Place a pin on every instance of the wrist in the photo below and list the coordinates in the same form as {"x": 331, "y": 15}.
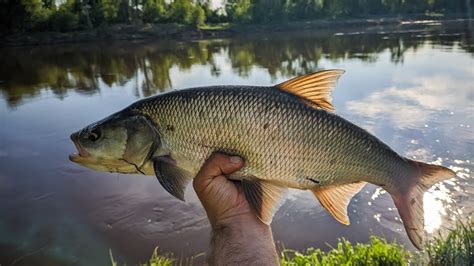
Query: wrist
{"x": 242, "y": 239}
{"x": 240, "y": 220}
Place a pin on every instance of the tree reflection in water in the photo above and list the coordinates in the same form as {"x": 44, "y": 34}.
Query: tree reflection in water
{"x": 25, "y": 72}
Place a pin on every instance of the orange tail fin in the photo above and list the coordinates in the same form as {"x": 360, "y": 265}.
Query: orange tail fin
{"x": 409, "y": 202}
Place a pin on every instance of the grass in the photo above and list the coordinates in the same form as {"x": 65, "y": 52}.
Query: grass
{"x": 158, "y": 260}
{"x": 377, "y": 252}
{"x": 161, "y": 260}
{"x": 155, "y": 260}
{"x": 455, "y": 248}
{"x": 219, "y": 26}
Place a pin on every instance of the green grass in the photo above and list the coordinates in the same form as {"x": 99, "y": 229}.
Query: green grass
{"x": 155, "y": 260}
{"x": 158, "y": 260}
{"x": 220, "y": 26}
{"x": 377, "y": 252}
{"x": 161, "y": 260}
{"x": 456, "y": 248}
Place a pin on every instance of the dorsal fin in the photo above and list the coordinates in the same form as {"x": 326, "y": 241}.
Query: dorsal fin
{"x": 315, "y": 87}
{"x": 336, "y": 198}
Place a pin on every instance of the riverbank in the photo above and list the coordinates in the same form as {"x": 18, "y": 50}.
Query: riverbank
{"x": 453, "y": 248}
{"x": 121, "y": 32}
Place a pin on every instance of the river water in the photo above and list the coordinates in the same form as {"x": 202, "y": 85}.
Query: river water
{"x": 411, "y": 85}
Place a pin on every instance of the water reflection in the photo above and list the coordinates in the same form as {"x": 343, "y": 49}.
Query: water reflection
{"x": 84, "y": 68}
{"x": 417, "y": 99}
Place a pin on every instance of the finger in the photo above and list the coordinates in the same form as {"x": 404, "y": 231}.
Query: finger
{"x": 217, "y": 164}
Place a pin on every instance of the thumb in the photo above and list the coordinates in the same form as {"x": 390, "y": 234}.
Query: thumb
{"x": 216, "y": 165}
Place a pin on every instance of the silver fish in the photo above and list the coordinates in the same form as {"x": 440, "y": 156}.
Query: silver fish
{"x": 288, "y": 135}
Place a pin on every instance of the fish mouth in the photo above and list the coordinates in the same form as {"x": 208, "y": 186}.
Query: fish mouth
{"x": 82, "y": 153}
{"x": 73, "y": 157}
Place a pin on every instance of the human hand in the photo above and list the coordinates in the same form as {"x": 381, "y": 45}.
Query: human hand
{"x": 238, "y": 236}
{"x": 222, "y": 198}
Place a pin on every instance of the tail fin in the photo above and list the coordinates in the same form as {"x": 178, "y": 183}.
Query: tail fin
{"x": 409, "y": 201}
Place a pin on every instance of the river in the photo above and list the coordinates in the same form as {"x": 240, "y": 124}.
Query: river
{"x": 411, "y": 85}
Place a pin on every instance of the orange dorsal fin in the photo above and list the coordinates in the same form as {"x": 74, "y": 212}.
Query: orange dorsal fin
{"x": 315, "y": 87}
{"x": 336, "y": 198}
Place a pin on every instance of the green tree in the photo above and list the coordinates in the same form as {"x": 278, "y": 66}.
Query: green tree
{"x": 36, "y": 15}
{"x": 110, "y": 8}
{"x": 199, "y": 16}
{"x": 262, "y": 10}
{"x": 304, "y": 9}
{"x": 182, "y": 11}
{"x": 216, "y": 15}
{"x": 123, "y": 12}
{"x": 154, "y": 11}
{"x": 64, "y": 19}
{"x": 239, "y": 10}
{"x": 67, "y": 15}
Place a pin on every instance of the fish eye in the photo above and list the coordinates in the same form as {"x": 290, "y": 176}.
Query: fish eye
{"x": 94, "y": 135}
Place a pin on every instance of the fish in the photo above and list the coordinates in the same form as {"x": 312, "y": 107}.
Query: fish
{"x": 288, "y": 134}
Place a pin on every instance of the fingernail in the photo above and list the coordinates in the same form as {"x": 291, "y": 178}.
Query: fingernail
{"x": 235, "y": 160}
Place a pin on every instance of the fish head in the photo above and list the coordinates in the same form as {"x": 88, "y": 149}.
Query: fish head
{"x": 119, "y": 143}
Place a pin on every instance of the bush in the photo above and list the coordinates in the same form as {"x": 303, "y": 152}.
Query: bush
{"x": 40, "y": 19}
{"x": 98, "y": 16}
{"x": 199, "y": 16}
{"x": 239, "y": 11}
{"x": 377, "y": 252}
{"x": 457, "y": 248}
{"x": 154, "y": 12}
{"x": 182, "y": 11}
{"x": 64, "y": 20}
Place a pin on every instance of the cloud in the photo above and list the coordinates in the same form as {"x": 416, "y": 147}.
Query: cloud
{"x": 413, "y": 105}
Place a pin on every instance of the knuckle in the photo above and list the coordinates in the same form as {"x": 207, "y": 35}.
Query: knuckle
{"x": 217, "y": 156}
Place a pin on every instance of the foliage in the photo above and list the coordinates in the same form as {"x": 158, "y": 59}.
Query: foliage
{"x": 199, "y": 16}
{"x": 377, "y": 252}
{"x": 84, "y": 14}
{"x": 181, "y": 11}
{"x": 158, "y": 260}
{"x": 154, "y": 11}
{"x": 239, "y": 10}
{"x": 64, "y": 19}
{"x": 155, "y": 260}
{"x": 457, "y": 248}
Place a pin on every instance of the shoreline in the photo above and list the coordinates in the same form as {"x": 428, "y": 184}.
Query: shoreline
{"x": 149, "y": 32}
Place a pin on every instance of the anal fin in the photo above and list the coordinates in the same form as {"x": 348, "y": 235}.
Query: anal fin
{"x": 336, "y": 198}
{"x": 173, "y": 178}
{"x": 263, "y": 197}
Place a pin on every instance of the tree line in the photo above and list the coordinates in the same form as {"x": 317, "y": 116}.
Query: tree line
{"x": 71, "y": 15}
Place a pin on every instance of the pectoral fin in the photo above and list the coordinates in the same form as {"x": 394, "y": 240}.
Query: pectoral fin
{"x": 336, "y": 198}
{"x": 263, "y": 197}
{"x": 171, "y": 177}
